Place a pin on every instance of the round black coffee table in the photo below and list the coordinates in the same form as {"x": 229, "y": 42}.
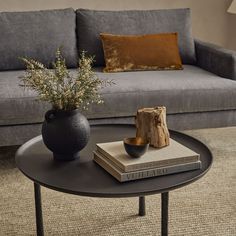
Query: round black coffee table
{"x": 84, "y": 177}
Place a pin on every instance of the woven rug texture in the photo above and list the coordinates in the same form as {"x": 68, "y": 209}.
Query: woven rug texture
{"x": 206, "y": 207}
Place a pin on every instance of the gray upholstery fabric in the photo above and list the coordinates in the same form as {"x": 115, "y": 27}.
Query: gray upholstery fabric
{"x": 187, "y": 91}
{"x": 17, "y": 135}
{"x": 18, "y": 105}
{"x": 184, "y": 121}
{"x": 216, "y": 59}
{"x": 37, "y": 34}
{"x": 91, "y": 23}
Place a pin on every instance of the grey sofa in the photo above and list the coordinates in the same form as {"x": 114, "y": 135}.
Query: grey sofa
{"x": 202, "y": 95}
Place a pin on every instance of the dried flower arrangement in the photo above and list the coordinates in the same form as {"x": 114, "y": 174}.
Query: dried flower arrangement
{"x": 62, "y": 89}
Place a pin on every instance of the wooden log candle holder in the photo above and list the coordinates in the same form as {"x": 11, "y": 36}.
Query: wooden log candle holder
{"x": 151, "y": 126}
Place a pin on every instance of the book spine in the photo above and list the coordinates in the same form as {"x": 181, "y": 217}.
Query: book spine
{"x": 172, "y": 162}
{"x": 123, "y": 176}
{"x": 160, "y": 171}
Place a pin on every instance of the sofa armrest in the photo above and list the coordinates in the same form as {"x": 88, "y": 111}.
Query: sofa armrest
{"x": 216, "y": 59}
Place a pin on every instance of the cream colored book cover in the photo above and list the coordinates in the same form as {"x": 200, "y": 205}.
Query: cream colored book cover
{"x": 173, "y": 154}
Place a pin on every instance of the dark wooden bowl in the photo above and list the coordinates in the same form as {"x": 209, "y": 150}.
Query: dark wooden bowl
{"x": 135, "y": 147}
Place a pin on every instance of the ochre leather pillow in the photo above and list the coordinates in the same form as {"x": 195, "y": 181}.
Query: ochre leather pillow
{"x": 141, "y": 52}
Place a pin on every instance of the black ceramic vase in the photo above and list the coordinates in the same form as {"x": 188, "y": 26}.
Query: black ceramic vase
{"x": 65, "y": 133}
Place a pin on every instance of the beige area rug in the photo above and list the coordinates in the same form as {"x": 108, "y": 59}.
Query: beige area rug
{"x": 206, "y": 207}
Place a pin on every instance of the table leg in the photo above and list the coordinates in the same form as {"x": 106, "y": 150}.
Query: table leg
{"x": 38, "y": 209}
{"x": 164, "y": 213}
{"x": 142, "y": 210}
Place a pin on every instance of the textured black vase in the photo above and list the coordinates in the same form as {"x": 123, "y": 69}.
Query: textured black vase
{"x": 65, "y": 133}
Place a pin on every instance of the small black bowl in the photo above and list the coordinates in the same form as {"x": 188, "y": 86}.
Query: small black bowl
{"x": 135, "y": 147}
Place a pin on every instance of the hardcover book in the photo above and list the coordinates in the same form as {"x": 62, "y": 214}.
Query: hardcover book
{"x": 142, "y": 174}
{"x": 173, "y": 154}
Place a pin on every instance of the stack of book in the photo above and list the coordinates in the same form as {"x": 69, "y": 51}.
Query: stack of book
{"x": 172, "y": 159}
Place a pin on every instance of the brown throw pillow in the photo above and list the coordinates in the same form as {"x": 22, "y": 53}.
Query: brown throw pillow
{"x": 141, "y": 52}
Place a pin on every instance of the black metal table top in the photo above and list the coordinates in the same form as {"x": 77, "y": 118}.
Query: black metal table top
{"x": 84, "y": 177}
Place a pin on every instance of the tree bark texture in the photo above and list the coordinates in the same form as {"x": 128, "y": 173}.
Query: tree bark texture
{"x": 151, "y": 126}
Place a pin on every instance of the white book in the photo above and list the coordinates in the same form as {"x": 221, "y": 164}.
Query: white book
{"x": 142, "y": 174}
{"x": 173, "y": 154}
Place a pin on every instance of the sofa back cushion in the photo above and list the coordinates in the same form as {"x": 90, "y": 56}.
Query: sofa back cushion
{"x": 37, "y": 34}
{"x": 91, "y": 23}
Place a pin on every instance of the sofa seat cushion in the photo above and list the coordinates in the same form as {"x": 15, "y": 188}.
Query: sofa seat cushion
{"x": 18, "y": 105}
{"x": 185, "y": 91}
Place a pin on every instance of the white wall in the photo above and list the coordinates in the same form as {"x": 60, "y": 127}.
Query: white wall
{"x": 210, "y": 20}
